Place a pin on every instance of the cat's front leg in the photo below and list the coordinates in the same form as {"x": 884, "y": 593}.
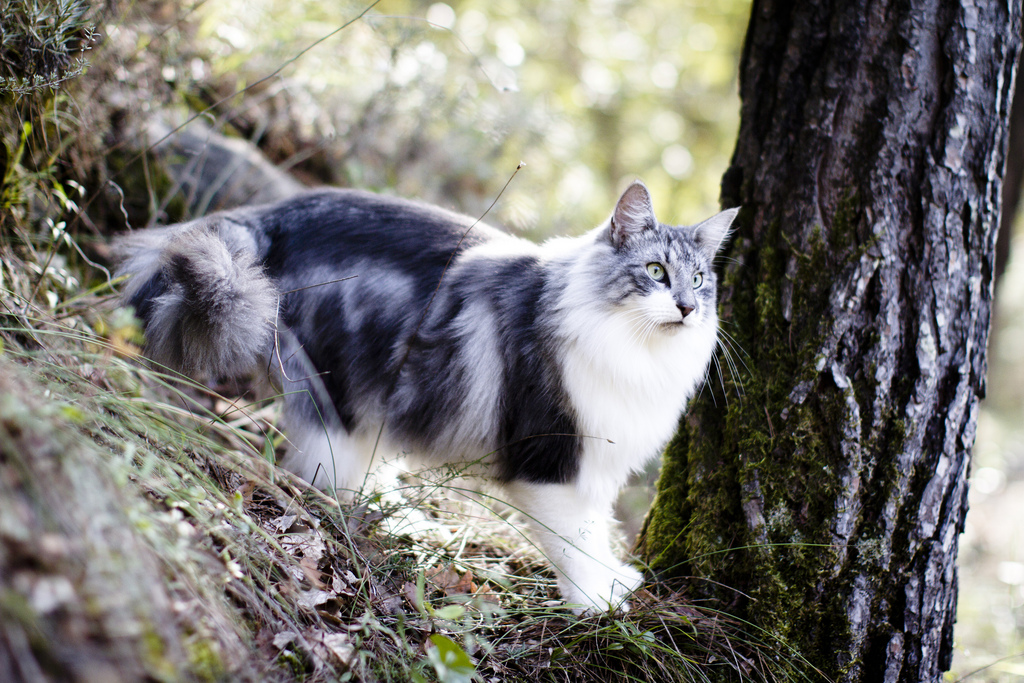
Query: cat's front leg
{"x": 574, "y": 534}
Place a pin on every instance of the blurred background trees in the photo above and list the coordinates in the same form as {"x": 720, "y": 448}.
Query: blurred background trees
{"x": 442, "y": 101}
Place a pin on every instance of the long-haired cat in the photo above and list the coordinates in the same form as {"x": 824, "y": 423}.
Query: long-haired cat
{"x": 557, "y": 369}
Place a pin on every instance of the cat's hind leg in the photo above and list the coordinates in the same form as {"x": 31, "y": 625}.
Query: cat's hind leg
{"x": 327, "y": 457}
{"x": 321, "y": 448}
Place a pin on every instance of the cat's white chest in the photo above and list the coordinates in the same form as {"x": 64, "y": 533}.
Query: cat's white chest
{"x": 628, "y": 400}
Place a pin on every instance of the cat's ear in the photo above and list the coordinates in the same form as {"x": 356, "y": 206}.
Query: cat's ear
{"x": 710, "y": 234}
{"x": 633, "y": 214}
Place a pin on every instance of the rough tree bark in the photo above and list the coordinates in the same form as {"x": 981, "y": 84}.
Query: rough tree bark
{"x": 825, "y": 504}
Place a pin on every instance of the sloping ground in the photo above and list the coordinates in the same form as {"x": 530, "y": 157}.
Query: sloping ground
{"x": 144, "y": 536}
{"x": 97, "y": 582}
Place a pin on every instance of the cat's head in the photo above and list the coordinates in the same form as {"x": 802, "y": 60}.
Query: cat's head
{"x": 662, "y": 275}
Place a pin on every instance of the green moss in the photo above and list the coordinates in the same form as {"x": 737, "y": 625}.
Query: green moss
{"x": 294, "y": 663}
{"x": 843, "y": 235}
{"x": 870, "y": 550}
{"x": 153, "y": 651}
{"x": 204, "y": 658}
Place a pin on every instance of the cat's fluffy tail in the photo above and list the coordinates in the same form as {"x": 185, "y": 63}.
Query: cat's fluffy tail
{"x": 207, "y": 306}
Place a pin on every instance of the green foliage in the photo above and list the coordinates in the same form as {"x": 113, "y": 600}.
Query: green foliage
{"x": 12, "y": 183}
{"x": 450, "y": 662}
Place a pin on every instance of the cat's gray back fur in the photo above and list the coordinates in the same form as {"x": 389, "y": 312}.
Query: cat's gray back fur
{"x": 366, "y": 293}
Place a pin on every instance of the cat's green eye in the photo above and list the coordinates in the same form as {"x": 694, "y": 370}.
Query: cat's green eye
{"x": 656, "y": 271}
{"x": 698, "y": 280}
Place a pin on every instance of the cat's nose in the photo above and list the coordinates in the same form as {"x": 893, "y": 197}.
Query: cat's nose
{"x": 685, "y": 310}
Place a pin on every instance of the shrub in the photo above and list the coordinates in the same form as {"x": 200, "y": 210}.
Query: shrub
{"x": 41, "y": 43}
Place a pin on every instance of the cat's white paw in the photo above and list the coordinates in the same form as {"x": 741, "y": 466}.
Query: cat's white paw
{"x": 601, "y": 588}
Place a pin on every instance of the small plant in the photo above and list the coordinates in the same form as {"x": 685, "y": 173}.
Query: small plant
{"x": 41, "y": 43}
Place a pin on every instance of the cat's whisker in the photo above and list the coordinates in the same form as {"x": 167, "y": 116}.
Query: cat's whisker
{"x": 729, "y": 346}
{"x": 636, "y": 329}
{"x": 635, "y": 325}
{"x": 736, "y": 346}
{"x": 652, "y": 327}
{"x": 639, "y": 316}
{"x": 632, "y": 313}
{"x": 635, "y": 315}
{"x": 641, "y": 331}
{"x": 707, "y": 383}
{"x": 734, "y": 371}
{"x": 734, "y": 375}
{"x": 644, "y": 333}
{"x": 721, "y": 379}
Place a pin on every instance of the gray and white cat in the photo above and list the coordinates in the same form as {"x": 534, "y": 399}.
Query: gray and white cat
{"x": 558, "y": 369}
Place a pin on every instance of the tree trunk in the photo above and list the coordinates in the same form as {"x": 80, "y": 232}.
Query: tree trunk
{"x": 824, "y": 505}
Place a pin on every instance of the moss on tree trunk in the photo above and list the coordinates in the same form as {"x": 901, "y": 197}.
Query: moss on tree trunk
{"x": 825, "y": 502}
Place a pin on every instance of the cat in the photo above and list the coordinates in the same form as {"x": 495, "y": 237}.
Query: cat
{"x": 388, "y": 325}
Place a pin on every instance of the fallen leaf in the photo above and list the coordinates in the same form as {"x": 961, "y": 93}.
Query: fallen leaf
{"x": 284, "y": 523}
{"x": 464, "y": 585}
{"x": 314, "y": 598}
{"x": 245, "y": 491}
{"x": 313, "y": 574}
{"x": 390, "y": 603}
{"x": 340, "y": 645}
{"x": 345, "y": 585}
{"x": 409, "y": 591}
{"x": 442, "y": 578}
{"x": 450, "y": 582}
{"x": 284, "y": 639}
